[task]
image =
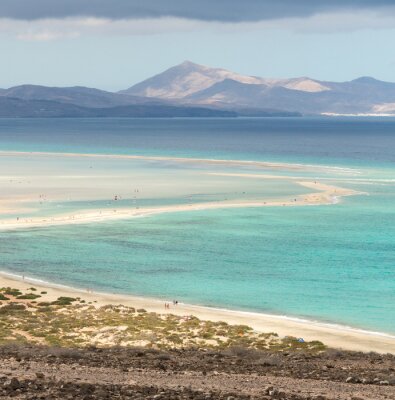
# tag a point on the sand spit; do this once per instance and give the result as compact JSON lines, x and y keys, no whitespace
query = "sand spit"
{"x":187,"y":160}
{"x":322,"y":194}
{"x":325,"y":195}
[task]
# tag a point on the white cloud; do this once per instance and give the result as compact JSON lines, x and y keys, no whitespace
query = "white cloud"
{"x":341,"y":22}
{"x":320,"y":23}
{"x":68,"y":28}
{"x":53,"y":29}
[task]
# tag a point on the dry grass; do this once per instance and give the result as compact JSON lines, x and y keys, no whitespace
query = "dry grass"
{"x":70,"y":322}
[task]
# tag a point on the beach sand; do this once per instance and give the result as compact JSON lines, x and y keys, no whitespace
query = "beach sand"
{"x":324,"y":195}
{"x":332,"y":335}
{"x":42,"y":178}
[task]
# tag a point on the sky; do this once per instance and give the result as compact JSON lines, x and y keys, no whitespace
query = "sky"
{"x":113,"y":44}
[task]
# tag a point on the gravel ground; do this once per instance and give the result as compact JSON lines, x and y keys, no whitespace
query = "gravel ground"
{"x":33,"y":372}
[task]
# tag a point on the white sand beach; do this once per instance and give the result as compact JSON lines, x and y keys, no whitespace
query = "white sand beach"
{"x":325,"y":196}
{"x":332,"y":335}
{"x":22,"y":195}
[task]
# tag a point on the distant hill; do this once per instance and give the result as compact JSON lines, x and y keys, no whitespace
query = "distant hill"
{"x":192,"y":90}
{"x":78,"y":95}
{"x":188,"y":78}
{"x":19,"y":108}
{"x":196,"y":84}
{"x":13,"y":107}
{"x":42,"y":101}
{"x":183,"y":80}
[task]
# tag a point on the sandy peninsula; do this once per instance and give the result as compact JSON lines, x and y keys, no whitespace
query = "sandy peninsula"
{"x":323,"y":194}
{"x":40,"y":179}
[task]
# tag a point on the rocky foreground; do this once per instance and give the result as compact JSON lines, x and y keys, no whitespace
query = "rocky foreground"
{"x":72,"y":349}
{"x":40,"y":372}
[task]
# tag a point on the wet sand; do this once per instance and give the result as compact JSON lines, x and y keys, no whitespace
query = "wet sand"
{"x":35,"y":185}
{"x":325,"y":195}
{"x":207,"y":161}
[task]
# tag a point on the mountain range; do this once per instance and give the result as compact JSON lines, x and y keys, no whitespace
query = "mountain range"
{"x":192,"y":90}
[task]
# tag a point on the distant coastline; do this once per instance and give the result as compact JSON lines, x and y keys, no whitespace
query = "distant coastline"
{"x":359,"y":115}
{"x":190,"y":90}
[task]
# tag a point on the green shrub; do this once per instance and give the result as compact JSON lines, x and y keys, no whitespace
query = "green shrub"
{"x":9,"y":308}
{"x":2,"y":297}
{"x":44,"y":309}
{"x":64,"y":301}
{"x":174,"y":339}
{"x":12,"y":292}
{"x":29,"y":296}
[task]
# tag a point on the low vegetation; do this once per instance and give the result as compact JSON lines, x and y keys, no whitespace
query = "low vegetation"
{"x":71,"y":322}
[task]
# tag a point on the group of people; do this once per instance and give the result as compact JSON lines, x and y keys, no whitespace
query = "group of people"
{"x":167,"y":305}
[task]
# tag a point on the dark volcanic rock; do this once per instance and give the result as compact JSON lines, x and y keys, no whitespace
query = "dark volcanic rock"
{"x":34,"y":372}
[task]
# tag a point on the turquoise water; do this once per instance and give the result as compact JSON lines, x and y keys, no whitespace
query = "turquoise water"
{"x":329,"y":263}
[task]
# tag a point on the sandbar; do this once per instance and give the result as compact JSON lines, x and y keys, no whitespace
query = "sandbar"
{"x":326,"y":195}
{"x":190,"y":160}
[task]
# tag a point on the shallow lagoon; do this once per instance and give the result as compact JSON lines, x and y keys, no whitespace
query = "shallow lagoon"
{"x":331,"y":263}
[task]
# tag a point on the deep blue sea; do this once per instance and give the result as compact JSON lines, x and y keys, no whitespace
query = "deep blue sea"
{"x":329,"y":263}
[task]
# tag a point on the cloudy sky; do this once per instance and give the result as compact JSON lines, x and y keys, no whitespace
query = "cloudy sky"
{"x":112,"y":44}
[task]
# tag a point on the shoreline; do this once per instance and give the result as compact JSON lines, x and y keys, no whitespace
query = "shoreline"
{"x":332,"y":335}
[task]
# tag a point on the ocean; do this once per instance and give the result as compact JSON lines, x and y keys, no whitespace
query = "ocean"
{"x":329,"y":263}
